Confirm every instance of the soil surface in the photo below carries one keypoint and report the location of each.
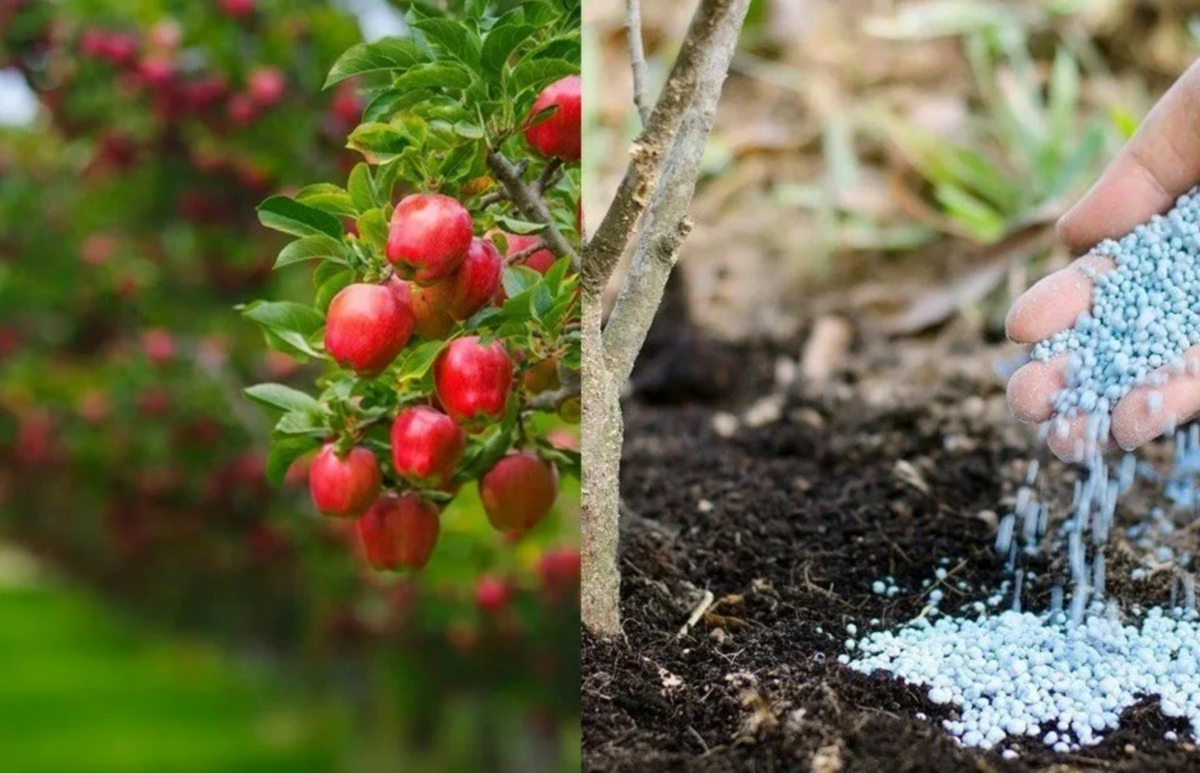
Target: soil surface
(787, 517)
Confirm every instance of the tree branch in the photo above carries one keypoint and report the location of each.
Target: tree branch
(649, 151)
(549, 176)
(637, 58)
(531, 206)
(666, 224)
(517, 257)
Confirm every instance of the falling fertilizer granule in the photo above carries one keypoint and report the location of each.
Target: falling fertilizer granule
(1063, 676)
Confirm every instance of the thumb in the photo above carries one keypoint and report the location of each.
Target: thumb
(1160, 163)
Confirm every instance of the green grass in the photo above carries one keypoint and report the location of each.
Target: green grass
(83, 691)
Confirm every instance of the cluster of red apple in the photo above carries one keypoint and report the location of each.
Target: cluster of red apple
(442, 274)
(153, 64)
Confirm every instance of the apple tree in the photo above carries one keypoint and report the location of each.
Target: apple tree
(444, 310)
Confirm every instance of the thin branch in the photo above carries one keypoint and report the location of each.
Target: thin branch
(666, 224)
(637, 58)
(517, 257)
(649, 152)
(495, 197)
(549, 176)
(531, 205)
(572, 386)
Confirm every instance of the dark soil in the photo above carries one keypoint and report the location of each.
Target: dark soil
(788, 525)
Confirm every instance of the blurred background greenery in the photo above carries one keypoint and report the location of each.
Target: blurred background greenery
(161, 608)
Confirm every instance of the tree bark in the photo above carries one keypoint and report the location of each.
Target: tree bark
(603, 437)
(660, 182)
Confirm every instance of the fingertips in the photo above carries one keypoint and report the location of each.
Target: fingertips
(1032, 388)
(1149, 411)
(1055, 302)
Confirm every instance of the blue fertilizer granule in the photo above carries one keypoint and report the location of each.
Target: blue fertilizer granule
(1062, 677)
(1036, 677)
(1144, 313)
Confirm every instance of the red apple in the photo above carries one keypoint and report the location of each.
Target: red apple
(477, 279)
(559, 570)
(460, 295)
(491, 594)
(399, 532)
(540, 261)
(158, 345)
(558, 136)
(519, 491)
(429, 237)
(344, 486)
(472, 380)
(541, 376)
(431, 309)
(238, 9)
(345, 106)
(120, 48)
(366, 327)
(93, 43)
(98, 248)
(241, 110)
(266, 86)
(9, 341)
(427, 445)
(157, 70)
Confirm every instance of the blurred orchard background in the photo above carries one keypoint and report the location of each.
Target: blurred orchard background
(162, 608)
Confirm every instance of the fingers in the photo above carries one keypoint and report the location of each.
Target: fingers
(1055, 302)
(1033, 386)
(1160, 163)
(1149, 411)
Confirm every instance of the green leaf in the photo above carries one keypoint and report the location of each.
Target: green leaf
(443, 75)
(454, 38)
(458, 162)
(536, 73)
(315, 247)
(285, 451)
(280, 316)
(362, 190)
(517, 226)
(282, 397)
(499, 45)
(332, 286)
(518, 279)
(301, 423)
(373, 228)
(417, 362)
(567, 460)
(468, 130)
(385, 180)
(383, 54)
(327, 198)
(292, 217)
(382, 142)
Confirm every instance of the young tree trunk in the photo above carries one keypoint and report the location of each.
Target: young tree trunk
(655, 193)
(603, 435)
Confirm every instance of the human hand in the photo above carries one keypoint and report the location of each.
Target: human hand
(1160, 163)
